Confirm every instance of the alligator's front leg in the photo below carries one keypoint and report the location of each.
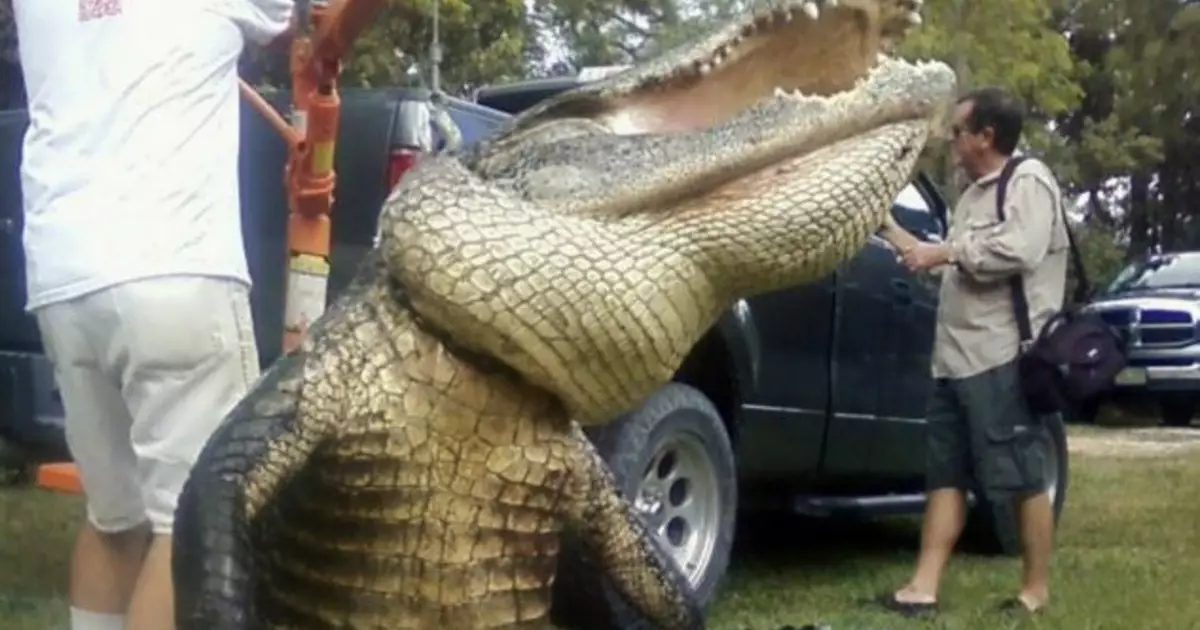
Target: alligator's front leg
(617, 552)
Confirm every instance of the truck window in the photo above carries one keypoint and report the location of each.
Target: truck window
(1169, 271)
(913, 213)
(474, 122)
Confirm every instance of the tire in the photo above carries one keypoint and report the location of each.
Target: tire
(1178, 410)
(679, 429)
(1086, 413)
(994, 528)
(15, 466)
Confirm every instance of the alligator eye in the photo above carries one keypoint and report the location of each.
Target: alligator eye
(904, 151)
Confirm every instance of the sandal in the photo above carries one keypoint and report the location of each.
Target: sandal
(908, 609)
(1016, 604)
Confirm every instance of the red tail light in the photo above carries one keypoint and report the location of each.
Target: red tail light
(399, 162)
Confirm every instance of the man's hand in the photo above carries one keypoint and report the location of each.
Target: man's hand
(922, 256)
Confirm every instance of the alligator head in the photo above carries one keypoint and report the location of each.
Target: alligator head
(593, 241)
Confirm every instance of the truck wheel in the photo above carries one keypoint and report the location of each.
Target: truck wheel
(673, 461)
(1085, 413)
(1177, 411)
(15, 468)
(994, 528)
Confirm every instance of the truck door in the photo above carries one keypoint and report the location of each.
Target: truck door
(899, 452)
(18, 331)
(860, 366)
(30, 410)
(783, 420)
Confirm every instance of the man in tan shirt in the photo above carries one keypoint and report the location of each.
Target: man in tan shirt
(979, 428)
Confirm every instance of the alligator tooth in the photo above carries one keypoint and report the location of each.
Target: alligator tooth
(704, 68)
(780, 92)
(914, 18)
(810, 9)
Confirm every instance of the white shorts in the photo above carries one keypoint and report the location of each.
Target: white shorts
(147, 370)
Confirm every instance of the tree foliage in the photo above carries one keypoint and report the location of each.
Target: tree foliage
(481, 42)
(1135, 133)
(1011, 44)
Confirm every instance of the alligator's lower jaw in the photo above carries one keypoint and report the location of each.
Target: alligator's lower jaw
(842, 178)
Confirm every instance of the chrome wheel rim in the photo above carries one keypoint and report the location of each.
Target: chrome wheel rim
(679, 499)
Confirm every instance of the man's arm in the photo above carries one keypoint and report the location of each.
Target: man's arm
(1018, 243)
(264, 22)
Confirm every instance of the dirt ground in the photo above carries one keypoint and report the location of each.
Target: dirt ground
(1132, 442)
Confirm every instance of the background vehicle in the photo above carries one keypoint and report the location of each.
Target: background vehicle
(1154, 304)
(808, 400)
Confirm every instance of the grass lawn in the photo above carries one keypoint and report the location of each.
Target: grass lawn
(1128, 558)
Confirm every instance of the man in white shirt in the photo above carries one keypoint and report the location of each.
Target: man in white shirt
(135, 264)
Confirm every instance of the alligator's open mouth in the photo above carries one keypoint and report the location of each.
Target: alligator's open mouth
(766, 91)
(813, 48)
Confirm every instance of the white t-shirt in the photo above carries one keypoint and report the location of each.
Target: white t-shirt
(130, 163)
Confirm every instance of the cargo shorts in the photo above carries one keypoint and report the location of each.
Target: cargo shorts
(983, 437)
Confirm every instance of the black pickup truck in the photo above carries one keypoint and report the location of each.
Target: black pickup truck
(807, 401)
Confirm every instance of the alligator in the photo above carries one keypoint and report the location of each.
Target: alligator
(418, 460)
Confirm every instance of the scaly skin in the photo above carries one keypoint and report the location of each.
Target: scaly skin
(420, 490)
(417, 461)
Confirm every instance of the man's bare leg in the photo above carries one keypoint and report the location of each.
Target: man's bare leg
(945, 515)
(153, 603)
(104, 570)
(1037, 540)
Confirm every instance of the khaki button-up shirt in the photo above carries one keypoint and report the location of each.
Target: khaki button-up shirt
(976, 326)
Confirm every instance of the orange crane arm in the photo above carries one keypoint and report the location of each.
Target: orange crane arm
(317, 48)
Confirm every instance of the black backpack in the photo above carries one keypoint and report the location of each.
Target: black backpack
(1076, 355)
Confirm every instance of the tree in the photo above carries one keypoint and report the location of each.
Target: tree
(482, 42)
(1135, 134)
(606, 32)
(1012, 44)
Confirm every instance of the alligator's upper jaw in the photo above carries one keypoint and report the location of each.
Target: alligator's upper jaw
(815, 47)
